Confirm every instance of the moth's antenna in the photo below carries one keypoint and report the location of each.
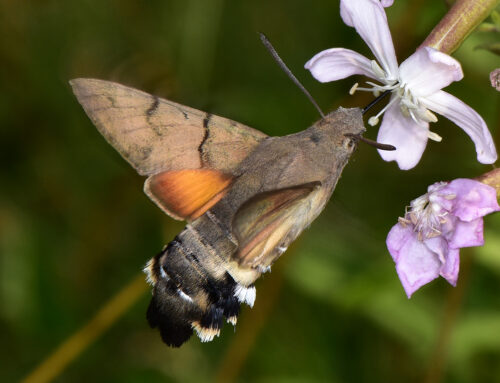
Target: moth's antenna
(374, 102)
(289, 73)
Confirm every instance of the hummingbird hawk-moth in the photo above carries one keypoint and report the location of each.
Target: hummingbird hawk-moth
(245, 196)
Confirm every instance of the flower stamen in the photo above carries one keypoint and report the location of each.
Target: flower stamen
(408, 103)
(375, 119)
(426, 223)
(426, 214)
(353, 89)
(434, 136)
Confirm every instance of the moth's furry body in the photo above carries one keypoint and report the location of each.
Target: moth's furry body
(260, 198)
(205, 253)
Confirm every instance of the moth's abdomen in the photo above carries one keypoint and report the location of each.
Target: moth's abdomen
(192, 289)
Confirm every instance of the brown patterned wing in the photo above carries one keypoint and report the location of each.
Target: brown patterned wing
(159, 138)
(157, 135)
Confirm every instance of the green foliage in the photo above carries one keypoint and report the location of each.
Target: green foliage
(75, 227)
(493, 28)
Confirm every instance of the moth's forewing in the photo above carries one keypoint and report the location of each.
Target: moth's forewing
(159, 136)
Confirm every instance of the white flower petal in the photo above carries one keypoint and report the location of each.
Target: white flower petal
(429, 70)
(386, 3)
(466, 118)
(369, 19)
(338, 63)
(409, 138)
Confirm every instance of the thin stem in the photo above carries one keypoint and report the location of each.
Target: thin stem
(491, 178)
(72, 347)
(462, 18)
(454, 302)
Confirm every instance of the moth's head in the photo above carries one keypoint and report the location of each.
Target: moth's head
(344, 127)
(346, 120)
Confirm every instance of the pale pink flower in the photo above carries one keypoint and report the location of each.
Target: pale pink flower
(415, 86)
(425, 243)
(495, 79)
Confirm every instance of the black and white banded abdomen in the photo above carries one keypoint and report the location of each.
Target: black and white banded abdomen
(193, 288)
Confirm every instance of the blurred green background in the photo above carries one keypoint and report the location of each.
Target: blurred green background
(75, 227)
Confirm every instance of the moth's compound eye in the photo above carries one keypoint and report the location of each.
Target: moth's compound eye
(349, 143)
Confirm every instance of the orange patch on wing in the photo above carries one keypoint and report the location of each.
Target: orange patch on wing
(187, 194)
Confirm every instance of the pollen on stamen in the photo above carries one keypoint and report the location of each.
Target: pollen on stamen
(373, 120)
(430, 116)
(403, 221)
(434, 234)
(353, 89)
(434, 136)
(413, 219)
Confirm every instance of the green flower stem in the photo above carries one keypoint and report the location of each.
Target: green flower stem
(491, 178)
(462, 18)
(81, 340)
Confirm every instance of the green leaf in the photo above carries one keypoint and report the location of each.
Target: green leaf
(493, 48)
